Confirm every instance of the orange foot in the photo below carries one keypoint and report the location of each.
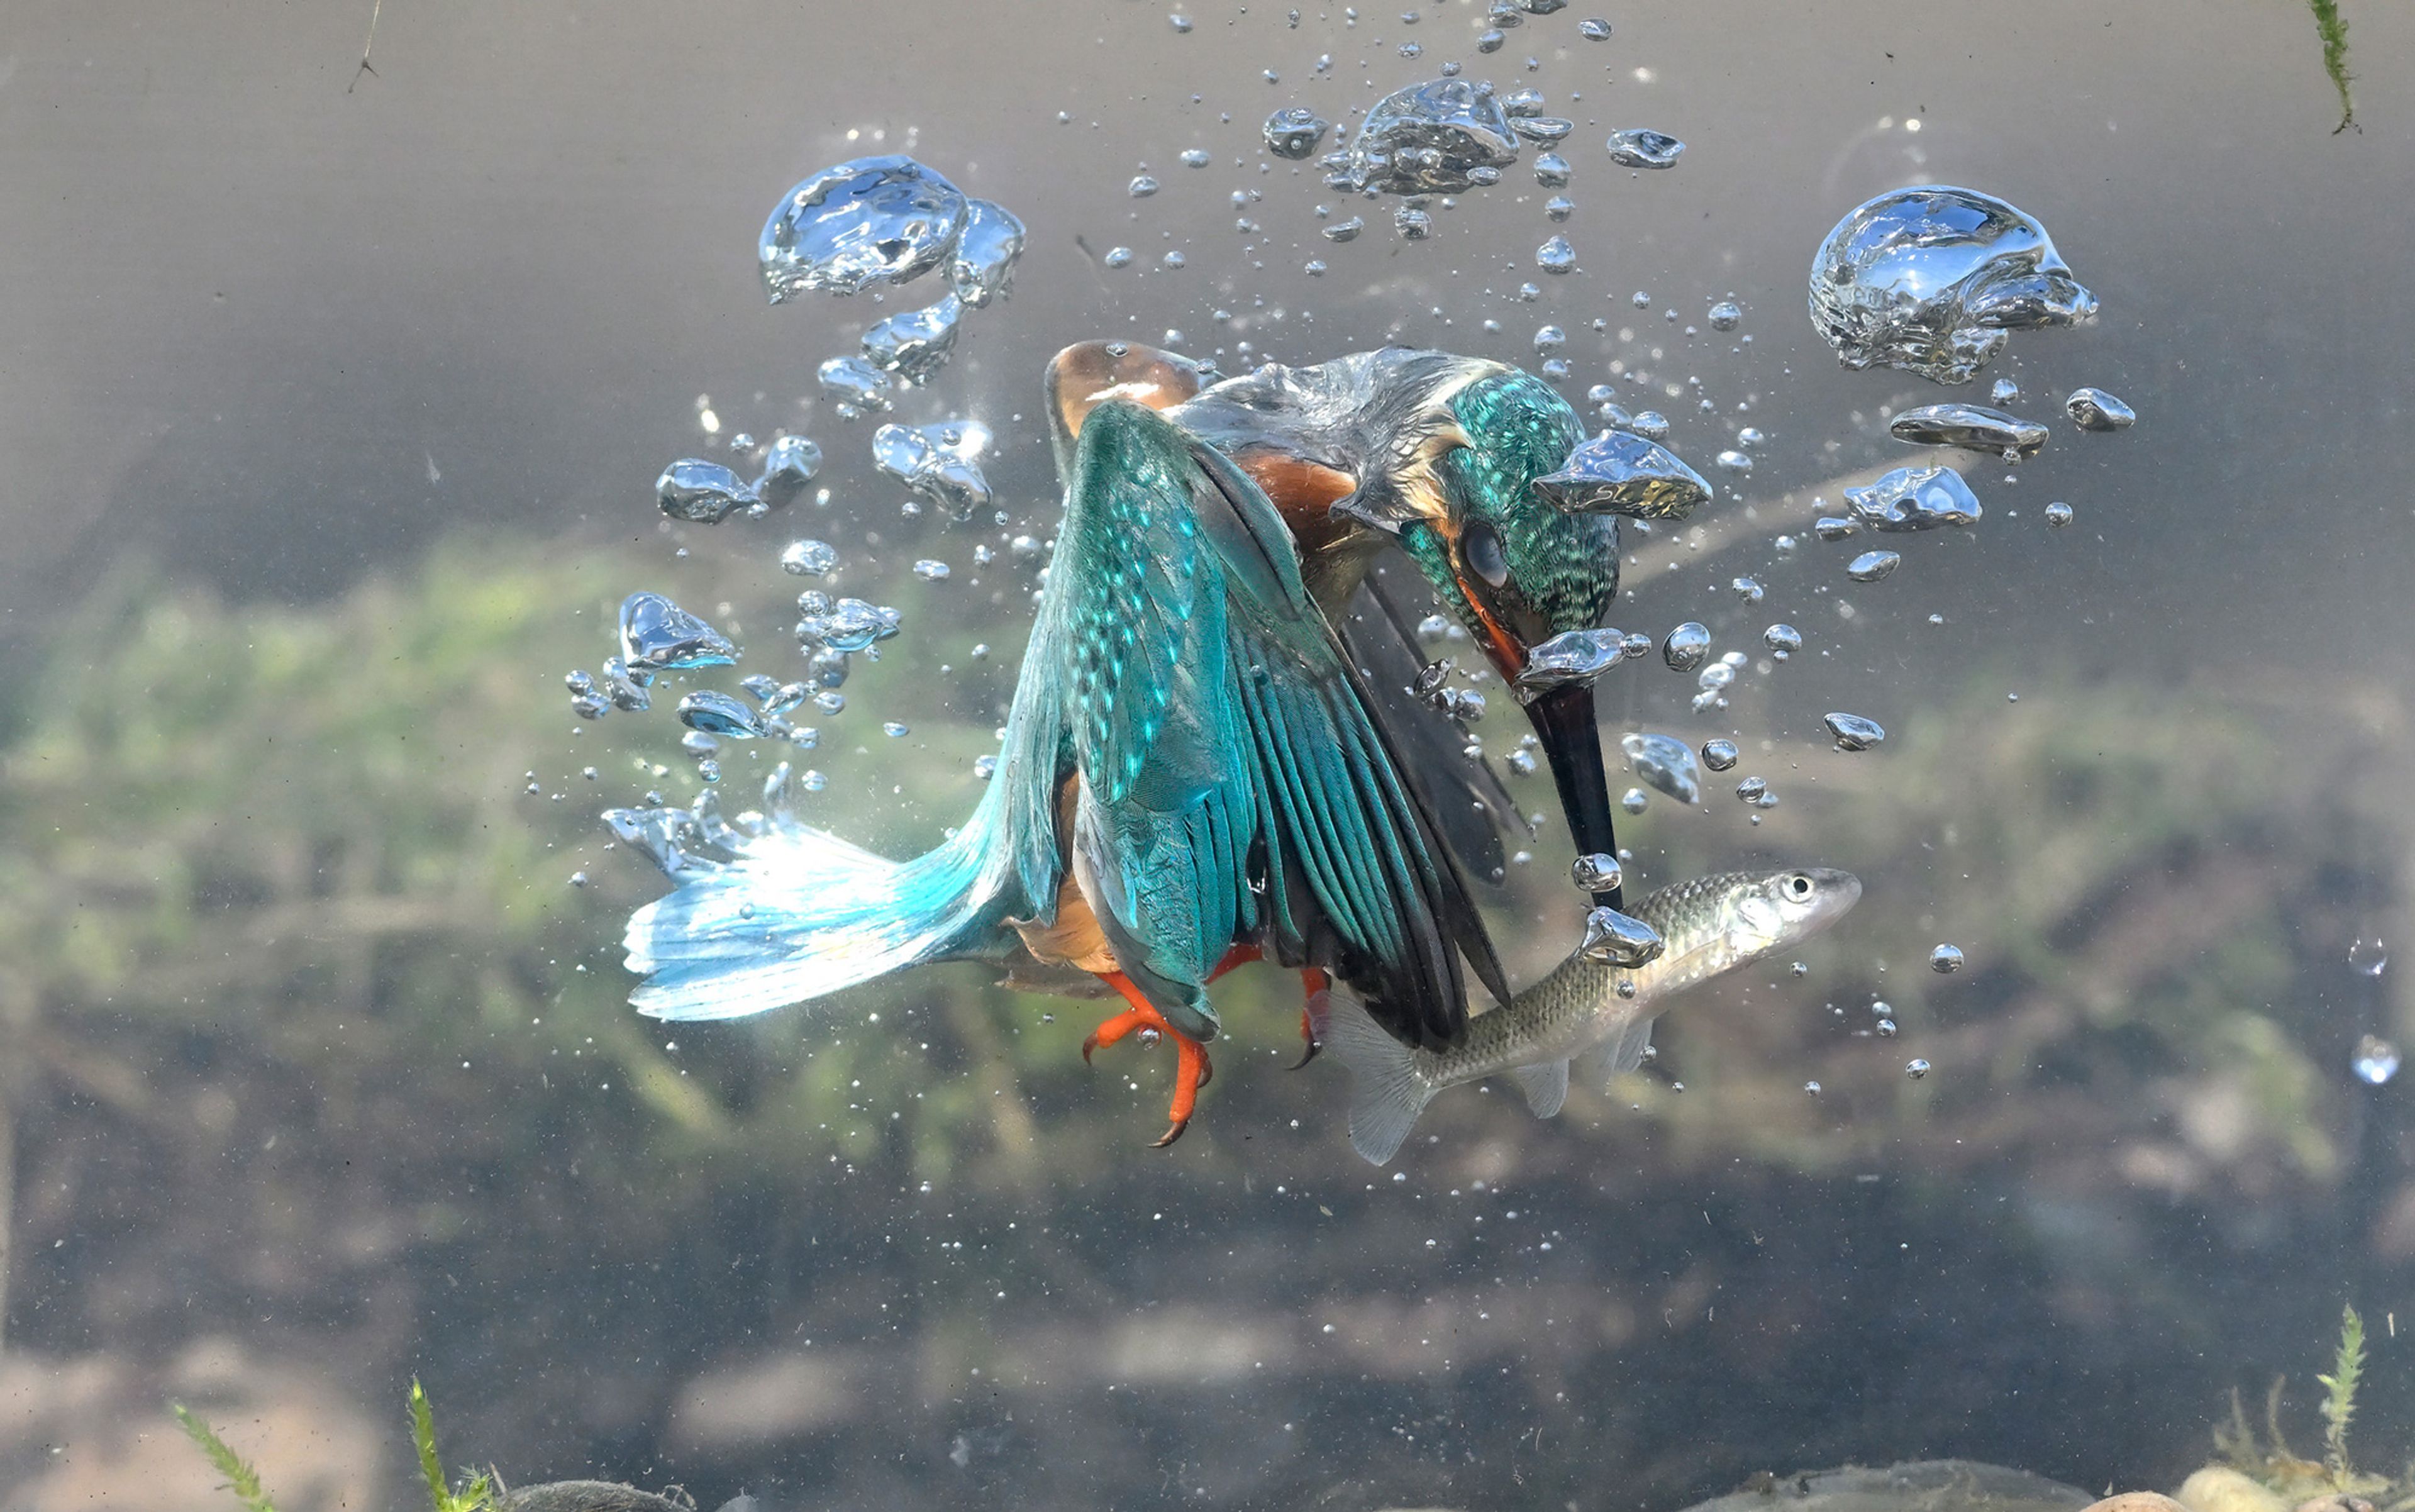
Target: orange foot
(1192, 1068)
(1312, 1017)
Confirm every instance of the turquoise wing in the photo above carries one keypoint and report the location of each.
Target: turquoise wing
(1222, 738)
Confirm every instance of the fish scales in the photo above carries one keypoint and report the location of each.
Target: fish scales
(1579, 1003)
(1710, 924)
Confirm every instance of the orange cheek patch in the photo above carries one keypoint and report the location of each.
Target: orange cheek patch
(1296, 486)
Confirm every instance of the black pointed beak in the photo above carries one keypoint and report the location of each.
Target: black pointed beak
(1564, 721)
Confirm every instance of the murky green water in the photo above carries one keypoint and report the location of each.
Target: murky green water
(334, 422)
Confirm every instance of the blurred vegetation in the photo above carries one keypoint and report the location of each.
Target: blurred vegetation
(2332, 27)
(241, 1478)
(476, 1492)
(2269, 1461)
(301, 1018)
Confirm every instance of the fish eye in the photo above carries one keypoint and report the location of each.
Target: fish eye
(1798, 887)
(1479, 546)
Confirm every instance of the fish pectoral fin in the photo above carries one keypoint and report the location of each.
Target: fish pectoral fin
(1616, 1056)
(1546, 1085)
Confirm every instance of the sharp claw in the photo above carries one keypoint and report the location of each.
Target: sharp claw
(1089, 1042)
(1207, 1071)
(1307, 1055)
(1172, 1133)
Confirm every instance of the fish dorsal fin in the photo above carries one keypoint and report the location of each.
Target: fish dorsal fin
(1546, 1085)
(1616, 1056)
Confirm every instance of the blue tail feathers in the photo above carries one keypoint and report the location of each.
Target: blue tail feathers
(797, 914)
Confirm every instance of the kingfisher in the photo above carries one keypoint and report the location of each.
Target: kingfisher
(1208, 758)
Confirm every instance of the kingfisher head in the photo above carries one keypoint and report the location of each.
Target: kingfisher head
(1511, 565)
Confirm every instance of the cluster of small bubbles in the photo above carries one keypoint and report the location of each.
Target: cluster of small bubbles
(1945, 960)
(1665, 763)
(2058, 515)
(2093, 409)
(1929, 279)
(854, 386)
(941, 463)
(2369, 957)
(1851, 732)
(1783, 640)
(718, 715)
(1719, 755)
(1614, 938)
(2377, 1060)
(1295, 132)
(1714, 680)
(915, 344)
(1638, 146)
(1915, 499)
(656, 634)
(809, 559)
(1596, 873)
(1872, 566)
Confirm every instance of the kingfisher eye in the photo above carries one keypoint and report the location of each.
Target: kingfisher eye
(1798, 887)
(1479, 546)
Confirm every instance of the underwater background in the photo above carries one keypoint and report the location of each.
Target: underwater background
(336, 402)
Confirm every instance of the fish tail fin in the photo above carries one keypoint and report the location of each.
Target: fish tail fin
(797, 914)
(1386, 1094)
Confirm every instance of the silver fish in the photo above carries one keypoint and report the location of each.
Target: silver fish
(1712, 924)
